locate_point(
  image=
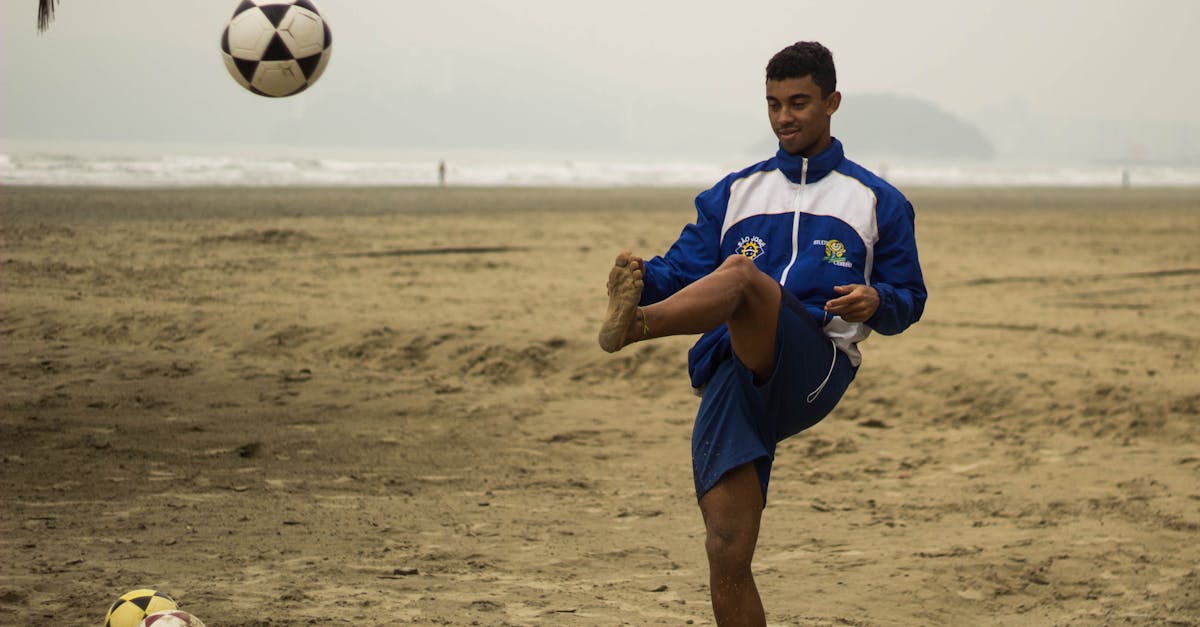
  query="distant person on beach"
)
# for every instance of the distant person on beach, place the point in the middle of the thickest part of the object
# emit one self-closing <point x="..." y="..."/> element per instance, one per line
<point x="790" y="264"/>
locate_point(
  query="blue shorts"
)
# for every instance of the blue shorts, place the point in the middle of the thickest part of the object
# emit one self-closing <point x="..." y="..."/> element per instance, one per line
<point x="740" y="421"/>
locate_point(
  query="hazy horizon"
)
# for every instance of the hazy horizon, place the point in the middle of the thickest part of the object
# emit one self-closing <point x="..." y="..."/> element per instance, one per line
<point x="1065" y="81"/>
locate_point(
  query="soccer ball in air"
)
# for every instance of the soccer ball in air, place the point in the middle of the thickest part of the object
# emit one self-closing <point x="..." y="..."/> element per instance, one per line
<point x="171" y="618"/>
<point x="130" y="608"/>
<point x="276" y="48"/>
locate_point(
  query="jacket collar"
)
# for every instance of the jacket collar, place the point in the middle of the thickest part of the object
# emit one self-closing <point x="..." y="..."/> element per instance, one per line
<point x="818" y="165"/>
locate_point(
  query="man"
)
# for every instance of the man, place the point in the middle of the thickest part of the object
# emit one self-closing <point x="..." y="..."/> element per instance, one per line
<point x="789" y="265"/>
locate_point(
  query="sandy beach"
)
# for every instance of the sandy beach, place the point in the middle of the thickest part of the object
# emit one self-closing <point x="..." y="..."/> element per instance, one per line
<point x="387" y="406"/>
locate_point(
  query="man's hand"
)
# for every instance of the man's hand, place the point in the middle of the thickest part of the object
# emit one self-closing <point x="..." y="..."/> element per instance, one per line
<point x="857" y="303"/>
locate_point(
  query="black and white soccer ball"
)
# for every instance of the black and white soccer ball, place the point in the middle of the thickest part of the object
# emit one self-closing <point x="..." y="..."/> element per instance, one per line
<point x="276" y="48"/>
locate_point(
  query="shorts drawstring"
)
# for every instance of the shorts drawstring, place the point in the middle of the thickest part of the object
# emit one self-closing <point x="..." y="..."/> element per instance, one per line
<point x="815" y="393"/>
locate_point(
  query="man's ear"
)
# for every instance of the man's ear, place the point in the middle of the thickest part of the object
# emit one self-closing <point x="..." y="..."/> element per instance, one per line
<point x="833" y="102"/>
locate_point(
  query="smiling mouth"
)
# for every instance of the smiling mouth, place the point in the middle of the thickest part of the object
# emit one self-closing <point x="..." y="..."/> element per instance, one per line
<point x="787" y="132"/>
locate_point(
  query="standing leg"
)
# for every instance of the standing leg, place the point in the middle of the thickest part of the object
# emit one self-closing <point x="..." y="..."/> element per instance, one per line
<point x="732" y="512"/>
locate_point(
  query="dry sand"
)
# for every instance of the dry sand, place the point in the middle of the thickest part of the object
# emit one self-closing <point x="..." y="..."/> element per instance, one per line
<point x="387" y="406"/>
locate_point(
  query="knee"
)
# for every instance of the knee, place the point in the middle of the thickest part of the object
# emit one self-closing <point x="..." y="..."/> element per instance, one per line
<point x="749" y="276"/>
<point x="752" y="282"/>
<point x="739" y="263"/>
<point x="729" y="546"/>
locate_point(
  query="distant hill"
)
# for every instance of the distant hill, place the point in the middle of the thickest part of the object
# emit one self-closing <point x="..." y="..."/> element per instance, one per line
<point x="887" y="125"/>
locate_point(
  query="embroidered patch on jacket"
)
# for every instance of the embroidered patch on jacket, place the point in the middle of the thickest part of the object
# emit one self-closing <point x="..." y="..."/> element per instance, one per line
<point x="835" y="252"/>
<point x="751" y="246"/>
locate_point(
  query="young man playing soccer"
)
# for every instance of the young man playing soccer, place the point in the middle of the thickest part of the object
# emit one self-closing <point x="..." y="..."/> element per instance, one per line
<point x="789" y="265"/>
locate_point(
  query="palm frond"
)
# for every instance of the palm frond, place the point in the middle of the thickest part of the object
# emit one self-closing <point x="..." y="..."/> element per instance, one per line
<point x="45" y="14"/>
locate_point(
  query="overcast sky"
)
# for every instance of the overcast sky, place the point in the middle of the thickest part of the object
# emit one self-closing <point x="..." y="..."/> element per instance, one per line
<point x="572" y="76"/>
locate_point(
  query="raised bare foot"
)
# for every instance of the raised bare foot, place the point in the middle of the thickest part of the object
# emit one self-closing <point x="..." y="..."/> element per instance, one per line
<point x="624" y="292"/>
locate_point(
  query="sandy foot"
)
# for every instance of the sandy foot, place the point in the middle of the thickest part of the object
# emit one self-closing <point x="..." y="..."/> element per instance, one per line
<point x="624" y="292"/>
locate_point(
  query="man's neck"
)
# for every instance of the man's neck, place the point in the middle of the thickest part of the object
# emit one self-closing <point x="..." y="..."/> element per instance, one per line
<point x="817" y="147"/>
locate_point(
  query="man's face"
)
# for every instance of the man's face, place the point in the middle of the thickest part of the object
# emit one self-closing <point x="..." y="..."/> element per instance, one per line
<point x="799" y="115"/>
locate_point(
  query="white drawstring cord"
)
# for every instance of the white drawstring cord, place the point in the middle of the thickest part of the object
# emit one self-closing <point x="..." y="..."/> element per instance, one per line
<point x="812" y="397"/>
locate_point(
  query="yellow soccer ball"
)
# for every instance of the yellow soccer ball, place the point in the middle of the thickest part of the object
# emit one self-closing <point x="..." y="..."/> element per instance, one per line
<point x="171" y="618"/>
<point x="133" y="606"/>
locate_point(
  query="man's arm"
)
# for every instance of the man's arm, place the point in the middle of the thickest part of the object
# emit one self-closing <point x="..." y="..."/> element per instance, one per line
<point x="896" y="277"/>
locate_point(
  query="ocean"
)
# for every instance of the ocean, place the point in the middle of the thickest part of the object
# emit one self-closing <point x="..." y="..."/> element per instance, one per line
<point x="230" y="171"/>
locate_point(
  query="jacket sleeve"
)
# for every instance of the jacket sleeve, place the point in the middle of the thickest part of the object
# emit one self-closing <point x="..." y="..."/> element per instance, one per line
<point x="896" y="274"/>
<point x="696" y="252"/>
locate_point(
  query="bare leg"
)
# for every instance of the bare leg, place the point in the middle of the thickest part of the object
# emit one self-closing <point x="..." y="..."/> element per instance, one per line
<point x="732" y="512"/>
<point x="736" y="293"/>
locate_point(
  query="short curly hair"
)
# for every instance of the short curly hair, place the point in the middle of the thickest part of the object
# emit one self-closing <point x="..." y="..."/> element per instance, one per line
<point x="805" y="58"/>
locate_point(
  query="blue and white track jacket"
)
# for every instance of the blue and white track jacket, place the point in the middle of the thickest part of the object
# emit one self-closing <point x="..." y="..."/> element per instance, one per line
<point x="811" y="224"/>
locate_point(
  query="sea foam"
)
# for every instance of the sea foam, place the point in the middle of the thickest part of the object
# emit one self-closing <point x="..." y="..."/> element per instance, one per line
<point x="204" y="171"/>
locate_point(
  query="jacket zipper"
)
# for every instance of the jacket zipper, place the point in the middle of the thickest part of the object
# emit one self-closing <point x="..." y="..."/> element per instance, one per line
<point x="796" y="222"/>
<point x="812" y="396"/>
